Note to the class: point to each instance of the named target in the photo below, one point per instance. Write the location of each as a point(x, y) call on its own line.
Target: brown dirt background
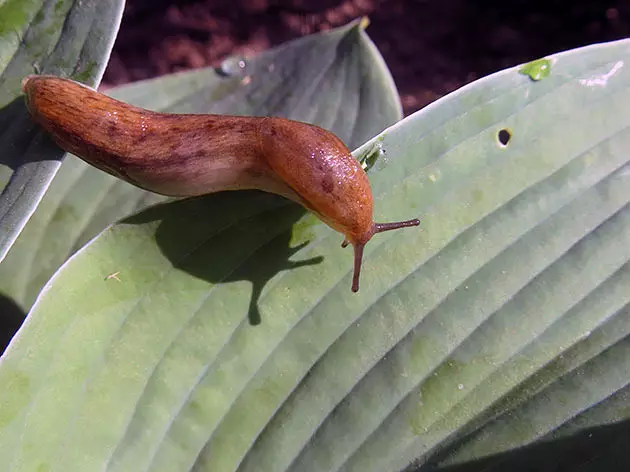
point(431, 47)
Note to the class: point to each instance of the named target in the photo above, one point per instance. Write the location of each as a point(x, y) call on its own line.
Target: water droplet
point(460, 387)
point(232, 66)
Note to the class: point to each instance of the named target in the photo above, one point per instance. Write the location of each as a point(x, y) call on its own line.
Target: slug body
point(189, 155)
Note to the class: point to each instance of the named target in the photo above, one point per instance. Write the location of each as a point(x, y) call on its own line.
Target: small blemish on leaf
point(373, 155)
point(114, 276)
point(86, 73)
point(504, 136)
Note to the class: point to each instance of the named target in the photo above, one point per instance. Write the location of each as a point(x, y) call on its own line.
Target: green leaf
point(336, 79)
point(60, 37)
point(501, 322)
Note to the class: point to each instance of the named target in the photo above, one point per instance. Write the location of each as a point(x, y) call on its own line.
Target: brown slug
point(190, 155)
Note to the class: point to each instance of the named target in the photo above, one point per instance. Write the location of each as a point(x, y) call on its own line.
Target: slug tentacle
point(358, 247)
point(190, 155)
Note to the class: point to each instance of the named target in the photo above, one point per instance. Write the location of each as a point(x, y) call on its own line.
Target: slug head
point(318, 166)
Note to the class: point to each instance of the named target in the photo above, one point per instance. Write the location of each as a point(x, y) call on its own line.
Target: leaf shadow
point(11, 318)
point(21, 140)
point(590, 449)
point(228, 237)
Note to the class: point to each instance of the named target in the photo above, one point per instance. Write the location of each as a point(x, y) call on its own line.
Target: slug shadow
point(228, 237)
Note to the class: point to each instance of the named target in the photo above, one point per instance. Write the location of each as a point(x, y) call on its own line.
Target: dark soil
point(432, 47)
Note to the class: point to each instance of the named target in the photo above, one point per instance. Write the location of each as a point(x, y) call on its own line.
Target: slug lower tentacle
point(189, 155)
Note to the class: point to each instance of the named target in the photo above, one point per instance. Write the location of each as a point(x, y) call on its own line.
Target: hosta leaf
point(336, 79)
point(61, 37)
point(502, 321)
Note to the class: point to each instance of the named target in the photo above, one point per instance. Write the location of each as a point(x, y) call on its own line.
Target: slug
point(189, 155)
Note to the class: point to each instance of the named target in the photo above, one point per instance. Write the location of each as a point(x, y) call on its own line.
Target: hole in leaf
point(504, 137)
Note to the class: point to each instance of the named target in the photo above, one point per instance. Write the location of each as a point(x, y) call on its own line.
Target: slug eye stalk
point(358, 247)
